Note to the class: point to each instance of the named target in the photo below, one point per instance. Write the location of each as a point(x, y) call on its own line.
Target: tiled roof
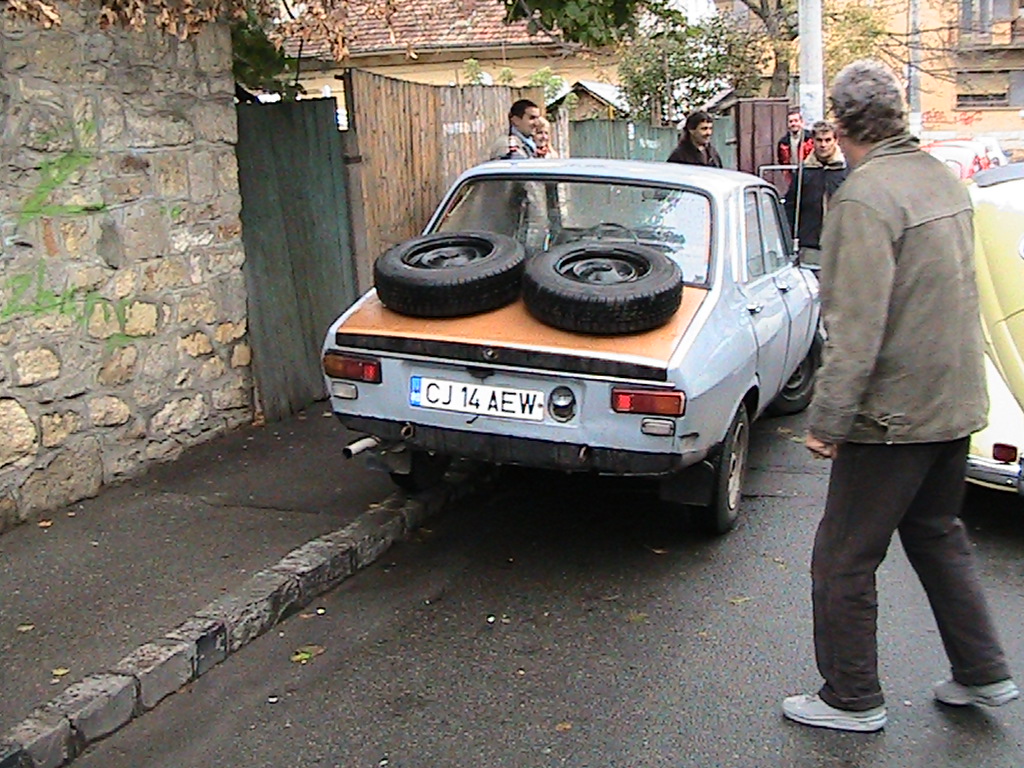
point(429, 25)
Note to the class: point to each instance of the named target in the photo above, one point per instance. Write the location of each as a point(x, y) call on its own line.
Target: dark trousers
point(873, 491)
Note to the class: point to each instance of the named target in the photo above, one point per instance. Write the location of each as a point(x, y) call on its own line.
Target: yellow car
point(995, 458)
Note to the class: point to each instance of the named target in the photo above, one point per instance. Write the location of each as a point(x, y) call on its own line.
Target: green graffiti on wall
point(54, 174)
point(28, 294)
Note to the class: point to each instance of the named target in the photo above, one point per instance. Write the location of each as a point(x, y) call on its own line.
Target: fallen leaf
point(784, 431)
point(60, 671)
point(563, 727)
point(637, 617)
point(739, 600)
point(45, 523)
point(306, 653)
point(26, 627)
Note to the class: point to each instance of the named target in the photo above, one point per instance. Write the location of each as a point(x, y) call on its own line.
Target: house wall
point(956, 62)
point(122, 301)
point(452, 72)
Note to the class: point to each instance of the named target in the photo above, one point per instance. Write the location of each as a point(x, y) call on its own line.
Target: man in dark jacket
point(900, 390)
point(694, 146)
point(812, 187)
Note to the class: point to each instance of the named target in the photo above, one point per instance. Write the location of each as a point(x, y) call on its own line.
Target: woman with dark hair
point(694, 147)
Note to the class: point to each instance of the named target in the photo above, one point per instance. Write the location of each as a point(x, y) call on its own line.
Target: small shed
point(594, 101)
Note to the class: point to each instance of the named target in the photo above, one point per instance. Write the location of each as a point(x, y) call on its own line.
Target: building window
point(976, 18)
point(982, 89)
point(972, 100)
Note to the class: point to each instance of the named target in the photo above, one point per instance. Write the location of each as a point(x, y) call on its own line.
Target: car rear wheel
point(730, 470)
point(426, 471)
point(602, 288)
point(449, 274)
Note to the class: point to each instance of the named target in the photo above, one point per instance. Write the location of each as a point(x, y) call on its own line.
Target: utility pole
point(914, 69)
point(812, 68)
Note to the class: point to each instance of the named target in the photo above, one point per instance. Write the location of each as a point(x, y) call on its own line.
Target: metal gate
point(626, 140)
point(620, 139)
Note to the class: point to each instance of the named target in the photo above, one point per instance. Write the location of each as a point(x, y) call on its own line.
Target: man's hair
point(867, 102)
point(518, 108)
point(794, 111)
point(696, 118)
point(822, 126)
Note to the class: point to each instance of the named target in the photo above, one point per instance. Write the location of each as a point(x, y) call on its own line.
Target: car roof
point(997, 175)
point(715, 180)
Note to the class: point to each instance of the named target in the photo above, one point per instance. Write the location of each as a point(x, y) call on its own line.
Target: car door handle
point(784, 287)
point(754, 308)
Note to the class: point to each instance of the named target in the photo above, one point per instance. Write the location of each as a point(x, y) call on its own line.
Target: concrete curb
point(56, 732)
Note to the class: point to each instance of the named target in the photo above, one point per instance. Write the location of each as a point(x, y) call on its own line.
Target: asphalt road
point(552, 621)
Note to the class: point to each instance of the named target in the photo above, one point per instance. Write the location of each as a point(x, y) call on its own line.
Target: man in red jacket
point(798, 142)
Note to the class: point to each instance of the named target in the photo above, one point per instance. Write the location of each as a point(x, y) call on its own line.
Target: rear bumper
point(995, 474)
point(541, 454)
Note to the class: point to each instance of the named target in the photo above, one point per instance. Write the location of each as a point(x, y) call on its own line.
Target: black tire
point(797, 392)
point(449, 274)
point(427, 471)
point(730, 469)
point(602, 288)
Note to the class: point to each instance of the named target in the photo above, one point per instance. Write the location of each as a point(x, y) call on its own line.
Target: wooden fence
point(412, 141)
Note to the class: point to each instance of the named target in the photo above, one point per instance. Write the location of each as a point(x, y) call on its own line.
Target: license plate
point(506, 402)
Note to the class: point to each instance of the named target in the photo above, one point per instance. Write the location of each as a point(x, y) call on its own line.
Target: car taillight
point(354, 367)
point(1005, 453)
point(652, 401)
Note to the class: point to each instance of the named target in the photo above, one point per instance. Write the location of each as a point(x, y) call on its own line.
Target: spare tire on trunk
point(448, 274)
point(602, 288)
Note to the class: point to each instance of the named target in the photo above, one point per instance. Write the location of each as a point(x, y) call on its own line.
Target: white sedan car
point(602, 316)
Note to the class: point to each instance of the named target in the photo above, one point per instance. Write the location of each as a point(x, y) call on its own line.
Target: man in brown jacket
point(900, 390)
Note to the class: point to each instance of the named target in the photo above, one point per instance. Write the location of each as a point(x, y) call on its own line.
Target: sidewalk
point(113, 603)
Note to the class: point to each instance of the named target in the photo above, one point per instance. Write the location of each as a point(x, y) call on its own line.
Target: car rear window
point(543, 213)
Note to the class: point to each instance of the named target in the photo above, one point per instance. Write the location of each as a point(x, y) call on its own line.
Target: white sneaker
point(991, 695)
point(809, 709)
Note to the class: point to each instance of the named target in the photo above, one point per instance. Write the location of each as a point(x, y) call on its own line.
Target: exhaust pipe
point(360, 445)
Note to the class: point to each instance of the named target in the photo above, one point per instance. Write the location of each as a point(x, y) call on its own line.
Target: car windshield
point(544, 213)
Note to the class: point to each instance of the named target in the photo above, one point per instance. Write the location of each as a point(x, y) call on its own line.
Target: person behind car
point(812, 187)
point(542, 139)
point(694, 146)
point(523, 118)
point(893, 409)
point(797, 143)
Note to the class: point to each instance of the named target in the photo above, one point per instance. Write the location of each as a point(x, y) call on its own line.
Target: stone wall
point(122, 301)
